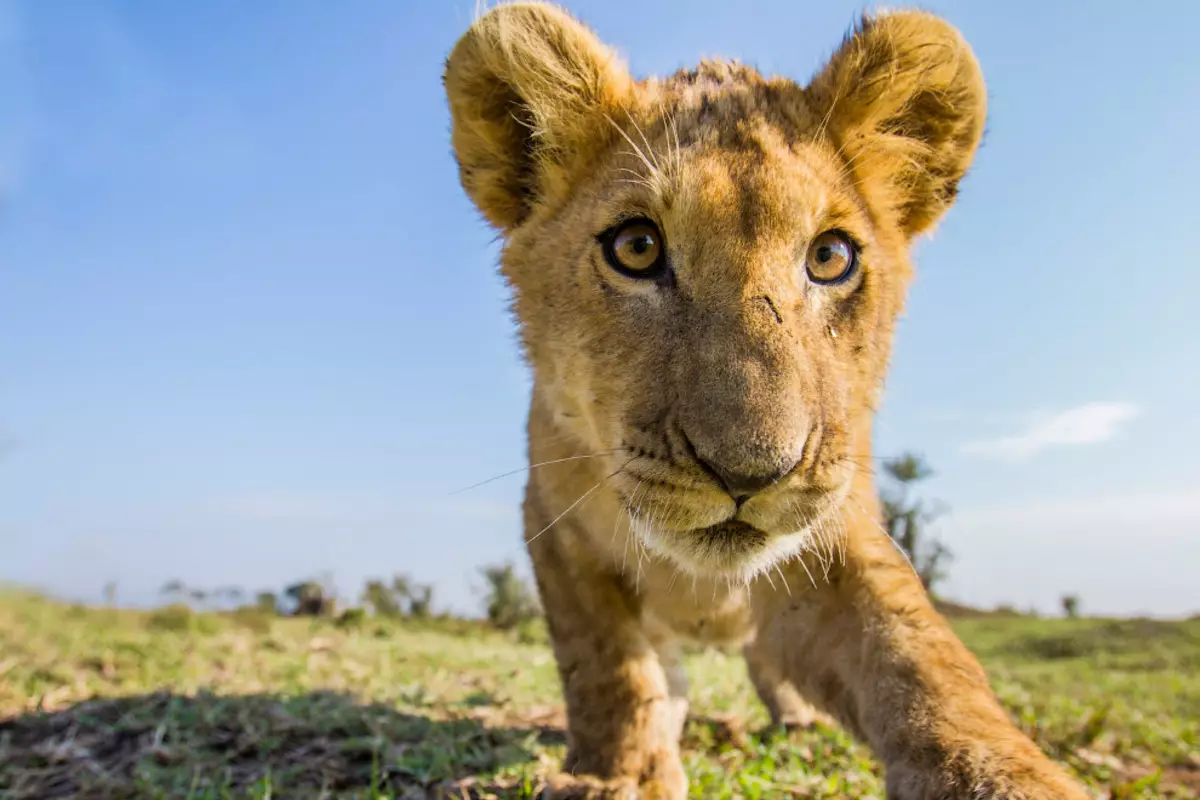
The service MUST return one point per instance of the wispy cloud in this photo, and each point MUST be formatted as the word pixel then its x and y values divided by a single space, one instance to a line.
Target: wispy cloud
pixel 1090 423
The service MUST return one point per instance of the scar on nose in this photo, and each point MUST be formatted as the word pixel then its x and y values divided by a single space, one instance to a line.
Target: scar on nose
pixel 771 305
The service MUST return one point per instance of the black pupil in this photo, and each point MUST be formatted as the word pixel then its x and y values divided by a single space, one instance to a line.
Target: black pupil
pixel 824 253
pixel 642 243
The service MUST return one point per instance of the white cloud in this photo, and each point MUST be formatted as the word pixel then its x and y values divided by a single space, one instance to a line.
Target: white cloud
pixel 1090 423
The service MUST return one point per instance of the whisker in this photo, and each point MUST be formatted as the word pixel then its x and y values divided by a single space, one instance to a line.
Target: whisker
pixel 621 512
pixel 535 466
pixel 783 578
pixel 641 133
pixel 637 150
pixel 895 545
pixel 631 534
pixel 806 571
pixel 579 500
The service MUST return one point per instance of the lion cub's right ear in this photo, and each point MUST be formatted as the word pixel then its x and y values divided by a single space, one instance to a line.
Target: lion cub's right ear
pixel 529 89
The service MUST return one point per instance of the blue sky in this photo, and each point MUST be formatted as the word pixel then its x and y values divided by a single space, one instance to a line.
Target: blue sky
pixel 251 328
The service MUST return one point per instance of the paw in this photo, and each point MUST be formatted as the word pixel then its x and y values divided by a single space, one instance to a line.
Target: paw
pixel 1009 779
pixel 666 781
pixel 572 787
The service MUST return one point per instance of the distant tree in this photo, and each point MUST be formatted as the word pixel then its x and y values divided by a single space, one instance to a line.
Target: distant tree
pixel 509 601
pixel 198 596
pixel 906 519
pixel 231 595
pixel 1070 605
pixel 420 601
pixel 110 593
pixel 310 599
pixel 401 597
pixel 381 599
pixel 267 602
pixel 174 589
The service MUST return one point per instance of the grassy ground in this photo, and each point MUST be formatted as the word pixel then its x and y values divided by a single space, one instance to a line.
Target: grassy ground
pixel 113 704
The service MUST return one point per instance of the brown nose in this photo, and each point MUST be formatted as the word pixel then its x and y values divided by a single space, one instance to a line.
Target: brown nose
pixel 742 485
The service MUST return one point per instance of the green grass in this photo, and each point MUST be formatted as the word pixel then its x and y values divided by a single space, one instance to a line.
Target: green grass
pixel 103 703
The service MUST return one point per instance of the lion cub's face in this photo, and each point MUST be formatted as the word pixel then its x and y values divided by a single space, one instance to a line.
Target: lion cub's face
pixel 707 269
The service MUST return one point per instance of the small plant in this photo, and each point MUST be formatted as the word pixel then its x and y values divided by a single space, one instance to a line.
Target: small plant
pixel 1070 606
pixel 508 600
pixel 906 520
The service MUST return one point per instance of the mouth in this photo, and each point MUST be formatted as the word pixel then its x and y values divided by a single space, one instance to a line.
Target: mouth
pixel 704 532
pixel 732 537
pixel 731 549
pixel 737 543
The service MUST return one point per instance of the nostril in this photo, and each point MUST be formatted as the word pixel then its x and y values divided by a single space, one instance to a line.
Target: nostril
pixel 743 485
pixel 740 485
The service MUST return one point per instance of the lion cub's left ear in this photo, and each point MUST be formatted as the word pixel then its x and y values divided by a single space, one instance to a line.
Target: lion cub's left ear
pixel 905 101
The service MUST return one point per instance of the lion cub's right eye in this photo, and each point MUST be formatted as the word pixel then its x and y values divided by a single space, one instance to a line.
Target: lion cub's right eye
pixel 635 248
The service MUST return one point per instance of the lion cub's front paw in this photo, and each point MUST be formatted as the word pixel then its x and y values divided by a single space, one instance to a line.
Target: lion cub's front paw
pixel 1003 779
pixel 666 781
pixel 571 787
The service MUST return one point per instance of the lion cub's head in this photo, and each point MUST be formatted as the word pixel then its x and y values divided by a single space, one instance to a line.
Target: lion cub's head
pixel 707 268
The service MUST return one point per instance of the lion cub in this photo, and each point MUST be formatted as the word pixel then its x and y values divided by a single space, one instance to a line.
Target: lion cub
pixel 707 269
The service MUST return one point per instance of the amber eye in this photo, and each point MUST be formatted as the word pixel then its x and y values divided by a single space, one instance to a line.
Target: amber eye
pixel 832 258
pixel 635 248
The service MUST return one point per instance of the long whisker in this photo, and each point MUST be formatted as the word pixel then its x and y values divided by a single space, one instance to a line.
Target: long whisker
pixel 579 500
pixel 637 150
pixel 641 133
pixel 621 512
pixel 783 578
pixel 894 543
pixel 811 579
pixel 535 466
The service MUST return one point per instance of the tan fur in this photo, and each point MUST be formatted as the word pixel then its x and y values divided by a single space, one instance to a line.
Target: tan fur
pixel 733 363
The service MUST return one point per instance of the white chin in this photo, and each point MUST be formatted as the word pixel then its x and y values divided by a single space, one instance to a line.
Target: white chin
pixel 731 550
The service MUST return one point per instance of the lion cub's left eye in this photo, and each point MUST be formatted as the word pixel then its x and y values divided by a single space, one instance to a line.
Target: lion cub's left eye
pixel 832 258
pixel 635 248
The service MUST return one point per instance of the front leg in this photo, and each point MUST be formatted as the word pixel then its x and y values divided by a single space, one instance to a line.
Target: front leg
pixel 622 724
pixel 783 703
pixel 867 645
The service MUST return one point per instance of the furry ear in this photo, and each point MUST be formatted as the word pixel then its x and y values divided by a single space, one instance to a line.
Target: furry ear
pixel 528 89
pixel 904 100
